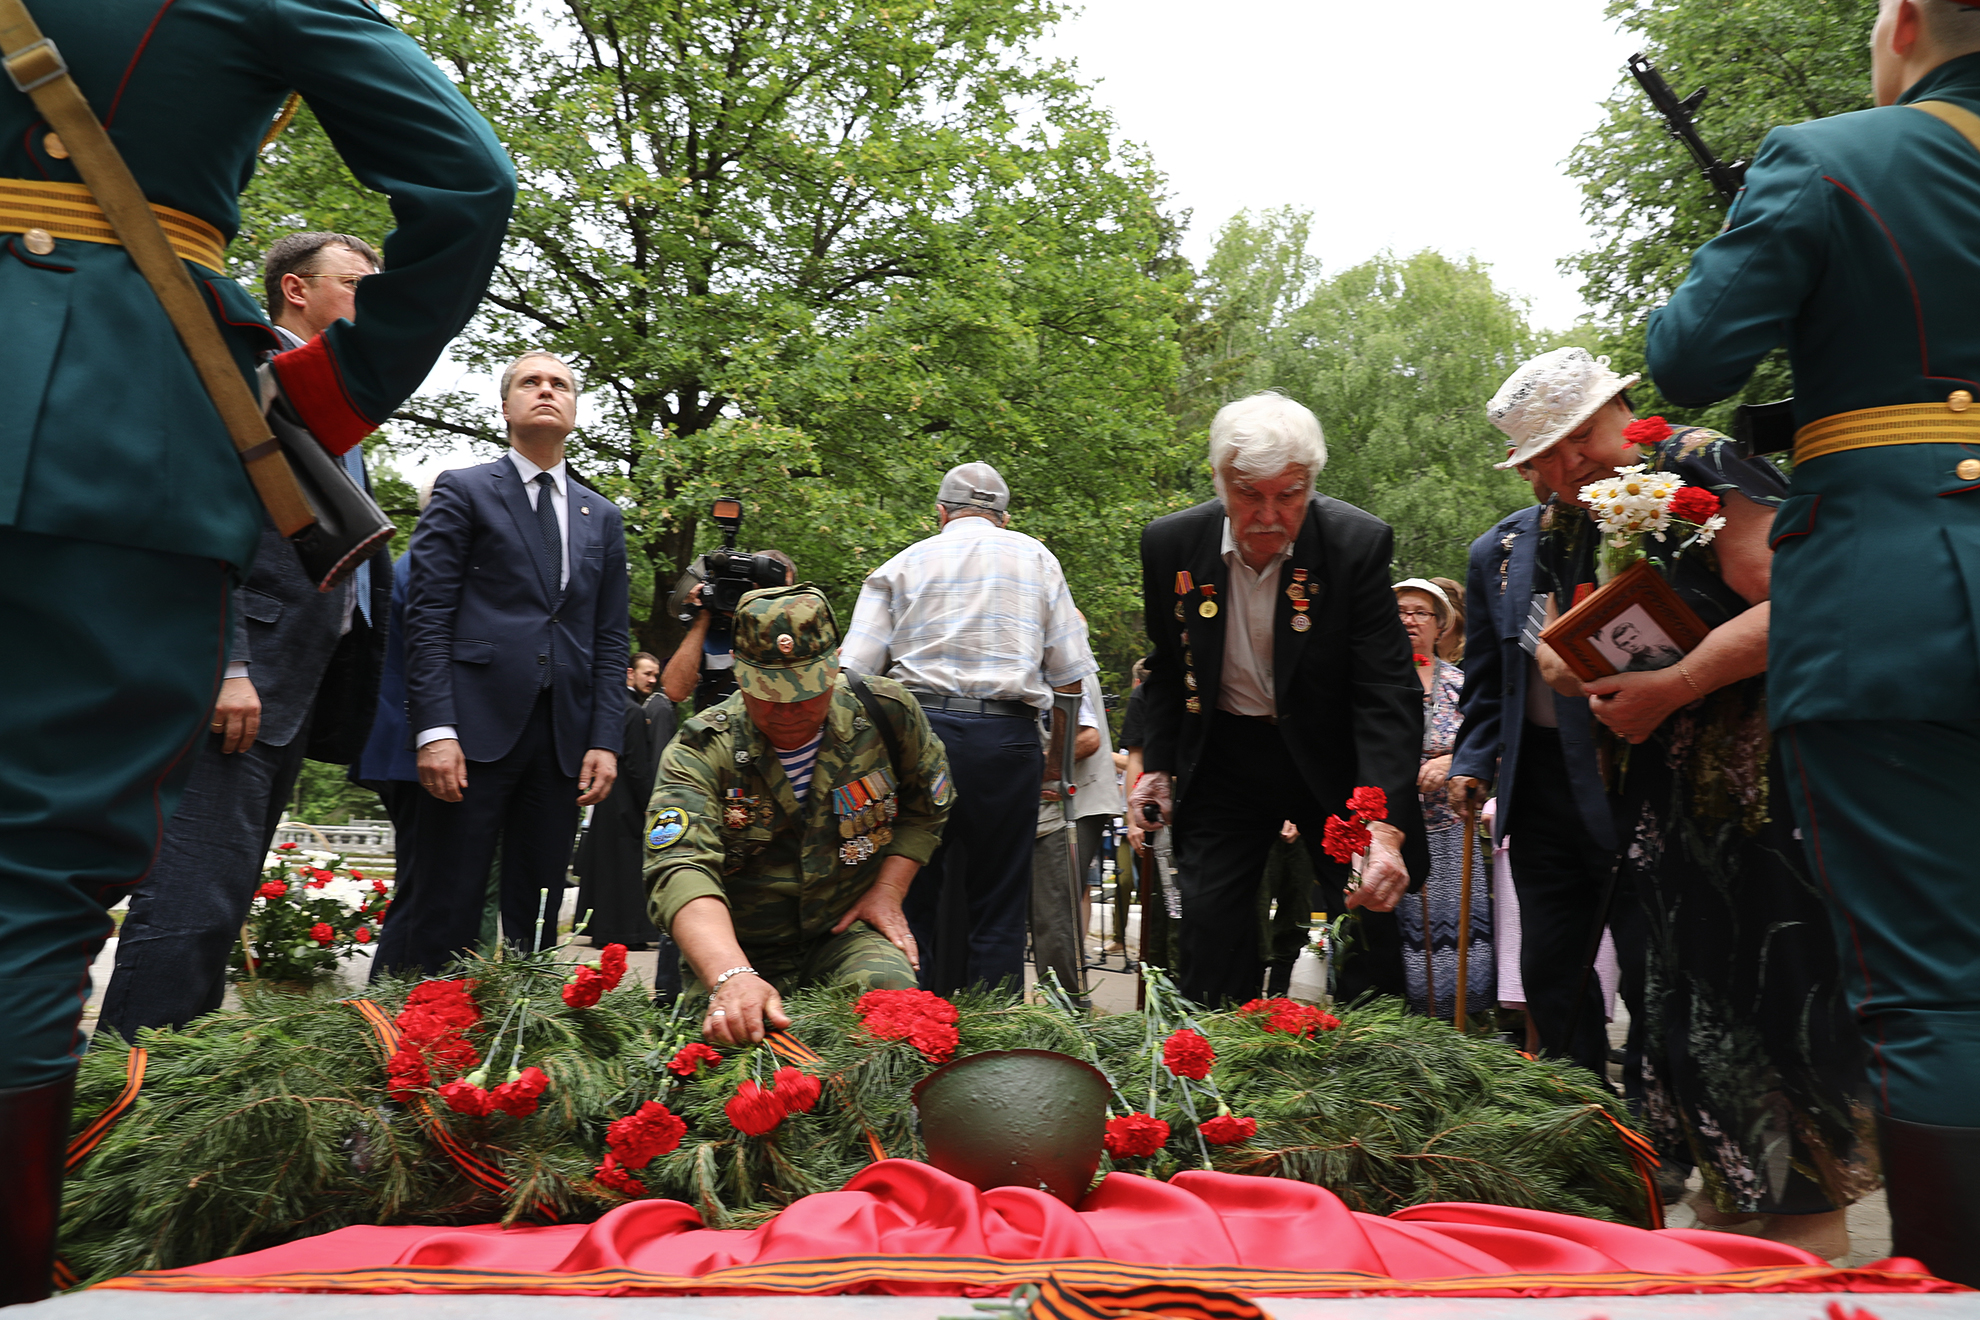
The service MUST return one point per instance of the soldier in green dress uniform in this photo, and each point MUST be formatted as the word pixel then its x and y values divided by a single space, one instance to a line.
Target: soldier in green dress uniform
pixel 125 515
pixel 1854 245
pixel 788 822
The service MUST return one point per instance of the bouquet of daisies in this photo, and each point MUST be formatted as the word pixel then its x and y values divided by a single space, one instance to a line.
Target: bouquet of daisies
pixel 1637 508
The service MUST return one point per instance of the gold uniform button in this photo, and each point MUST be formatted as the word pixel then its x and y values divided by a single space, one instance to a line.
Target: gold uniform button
pixel 1959 400
pixel 38 241
pixel 52 144
pixel 1968 469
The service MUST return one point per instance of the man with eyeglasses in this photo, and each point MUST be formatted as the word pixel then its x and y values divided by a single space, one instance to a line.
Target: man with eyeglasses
pixel 301 680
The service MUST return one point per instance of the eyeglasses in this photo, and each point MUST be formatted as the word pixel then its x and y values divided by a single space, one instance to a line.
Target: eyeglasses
pixel 1417 614
pixel 350 282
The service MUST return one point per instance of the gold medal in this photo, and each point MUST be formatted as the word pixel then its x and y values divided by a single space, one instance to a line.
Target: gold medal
pixel 1301 623
pixel 1179 613
pixel 1208 609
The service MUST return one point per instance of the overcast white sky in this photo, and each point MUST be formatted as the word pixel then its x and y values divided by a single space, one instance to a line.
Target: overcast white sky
pixel 1439 124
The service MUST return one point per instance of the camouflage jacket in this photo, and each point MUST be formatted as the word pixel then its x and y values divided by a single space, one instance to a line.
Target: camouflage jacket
pixel 724 823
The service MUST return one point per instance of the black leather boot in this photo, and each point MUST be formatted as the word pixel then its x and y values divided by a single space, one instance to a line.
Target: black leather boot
pixel 1932 1180
pixel 35 1121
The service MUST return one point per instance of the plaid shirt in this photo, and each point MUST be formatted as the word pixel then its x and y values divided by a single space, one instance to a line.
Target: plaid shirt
pixel 974 611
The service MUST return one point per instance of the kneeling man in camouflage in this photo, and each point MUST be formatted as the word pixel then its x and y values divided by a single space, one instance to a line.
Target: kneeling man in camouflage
pixel 787 823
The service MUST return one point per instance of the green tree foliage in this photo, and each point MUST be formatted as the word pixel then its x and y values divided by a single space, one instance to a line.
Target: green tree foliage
pixel 1396 356
pixel 811 253
pixel 1767 63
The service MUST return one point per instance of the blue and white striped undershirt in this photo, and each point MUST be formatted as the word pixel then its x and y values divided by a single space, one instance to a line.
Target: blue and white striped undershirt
pixel 798 762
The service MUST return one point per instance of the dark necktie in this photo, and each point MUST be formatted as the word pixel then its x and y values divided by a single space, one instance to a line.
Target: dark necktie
pixel 553 538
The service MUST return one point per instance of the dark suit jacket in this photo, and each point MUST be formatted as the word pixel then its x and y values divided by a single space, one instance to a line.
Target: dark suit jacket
pixel 388 749
pixel 1498 594
pixel 483 619
pixel 1350 706
pixel 289 633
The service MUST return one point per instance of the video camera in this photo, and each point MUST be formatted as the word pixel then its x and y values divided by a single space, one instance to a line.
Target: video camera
pixel 728 573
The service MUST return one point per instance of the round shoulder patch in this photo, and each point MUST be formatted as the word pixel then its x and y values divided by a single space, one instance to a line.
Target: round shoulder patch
pixel 668 827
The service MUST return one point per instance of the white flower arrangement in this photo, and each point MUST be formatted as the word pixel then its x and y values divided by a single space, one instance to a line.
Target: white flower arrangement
pixel 1638 503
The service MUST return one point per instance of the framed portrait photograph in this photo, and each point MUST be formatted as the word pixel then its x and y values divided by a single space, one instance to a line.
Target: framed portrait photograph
pixel 1635 622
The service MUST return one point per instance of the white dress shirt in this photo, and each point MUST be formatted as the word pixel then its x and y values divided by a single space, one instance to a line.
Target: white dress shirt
pixel 976 610
pixel 1254 598
pixel 560 501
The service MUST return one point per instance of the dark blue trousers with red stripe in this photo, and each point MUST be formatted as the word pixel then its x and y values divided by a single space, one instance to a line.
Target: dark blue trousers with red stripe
pixel 1887 810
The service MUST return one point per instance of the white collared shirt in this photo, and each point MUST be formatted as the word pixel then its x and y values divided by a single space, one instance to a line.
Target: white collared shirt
pixel 560 500
pixel 1247 681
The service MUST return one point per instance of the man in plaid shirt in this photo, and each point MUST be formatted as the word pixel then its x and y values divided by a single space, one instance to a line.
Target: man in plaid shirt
pixel 977 623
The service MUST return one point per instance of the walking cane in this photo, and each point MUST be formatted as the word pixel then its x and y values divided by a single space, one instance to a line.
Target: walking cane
pixel 1469 815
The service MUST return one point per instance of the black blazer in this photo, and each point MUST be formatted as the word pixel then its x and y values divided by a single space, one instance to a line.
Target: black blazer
pixel 298 656
pixel 1350 705
pixel 483 617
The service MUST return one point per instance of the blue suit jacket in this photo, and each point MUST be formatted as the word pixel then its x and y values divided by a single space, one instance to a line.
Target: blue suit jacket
pixel 1498 591
pixel 388 752
pixel 482 622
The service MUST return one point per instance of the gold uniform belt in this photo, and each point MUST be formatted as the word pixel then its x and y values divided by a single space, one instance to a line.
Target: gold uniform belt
pixel 1953 422
pixel 66 210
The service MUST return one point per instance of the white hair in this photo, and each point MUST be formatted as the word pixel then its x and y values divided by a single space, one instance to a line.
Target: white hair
pixel 1262 435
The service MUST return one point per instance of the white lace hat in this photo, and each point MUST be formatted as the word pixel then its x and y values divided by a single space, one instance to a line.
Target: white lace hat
pixel 1550 396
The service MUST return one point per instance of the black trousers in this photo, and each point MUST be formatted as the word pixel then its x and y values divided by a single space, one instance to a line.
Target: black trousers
pixel 186 913
pixel 1561 875
pixel 984 862
pixel 1243 789
pixel 525 802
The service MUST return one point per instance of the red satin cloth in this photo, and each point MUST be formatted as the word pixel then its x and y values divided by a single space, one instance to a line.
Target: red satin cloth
pixel 903 1209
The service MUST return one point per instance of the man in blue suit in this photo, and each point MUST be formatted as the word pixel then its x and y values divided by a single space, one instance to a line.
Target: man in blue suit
pixel 516 642
pixel 1538 749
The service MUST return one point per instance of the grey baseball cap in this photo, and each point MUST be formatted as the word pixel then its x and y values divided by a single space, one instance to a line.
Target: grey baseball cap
pixel 975 485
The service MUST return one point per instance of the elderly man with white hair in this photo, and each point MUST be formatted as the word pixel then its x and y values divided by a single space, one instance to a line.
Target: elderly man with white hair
pixel 1280 682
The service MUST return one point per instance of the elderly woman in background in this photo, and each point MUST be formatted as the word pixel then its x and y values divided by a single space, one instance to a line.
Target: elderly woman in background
pixel 1450 642
pixel 1430 917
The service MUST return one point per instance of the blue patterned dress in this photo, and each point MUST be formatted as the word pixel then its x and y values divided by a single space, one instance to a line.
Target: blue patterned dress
pixel 1440 898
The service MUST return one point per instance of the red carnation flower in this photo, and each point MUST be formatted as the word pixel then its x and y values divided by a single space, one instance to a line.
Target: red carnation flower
pixel 926 1021
pixel 449 1000
pixel 796 1090
pixel 272 889
pixel 1646 430
pixel 1369 803
pixel 1694 504
pixel 1418 659
pixel 649 1131
pixel 1135 1135
pixel 405 1073
pixel 362 935
pixel 612 963
pixel 322 933
pixel 585 988
pixel 380 887
pixel 1188 1054
pixel 754 1111
pixel 518 1099
pixel 611 1175
pixel 467 1098
pixel 1342 839
pixel 1228 1130
pixel 286 847
pixel 691 1057
pixel 1290 1017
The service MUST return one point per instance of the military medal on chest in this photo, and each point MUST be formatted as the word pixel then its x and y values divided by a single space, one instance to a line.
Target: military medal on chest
pixel 864 807
pixel 1297 593
pixel 1183 587
pixel 736 809
pixel 1208 609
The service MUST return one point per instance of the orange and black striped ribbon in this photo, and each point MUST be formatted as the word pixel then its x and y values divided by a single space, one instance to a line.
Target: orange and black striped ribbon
pixel 1059 1300
pixel 92 1136
pixel 1644 1156
pixel 792 1050
pixel 477 1170
pixel 858 1273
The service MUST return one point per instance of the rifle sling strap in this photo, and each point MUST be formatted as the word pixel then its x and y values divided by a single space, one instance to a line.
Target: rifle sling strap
pixel 866 699
pixel 38 70
pixel 1962 121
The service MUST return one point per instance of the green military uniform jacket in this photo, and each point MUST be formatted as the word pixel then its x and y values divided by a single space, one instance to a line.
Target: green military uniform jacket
pixel 108 435
pixel 725 824
pixel 1856 244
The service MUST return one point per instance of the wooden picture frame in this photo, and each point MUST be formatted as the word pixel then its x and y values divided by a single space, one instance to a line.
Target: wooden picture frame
pixel 1633 623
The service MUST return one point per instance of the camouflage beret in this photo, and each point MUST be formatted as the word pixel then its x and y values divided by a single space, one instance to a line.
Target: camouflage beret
pixel 786 644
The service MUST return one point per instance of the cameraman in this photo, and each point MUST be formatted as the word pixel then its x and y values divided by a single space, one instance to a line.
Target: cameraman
pixel 703 664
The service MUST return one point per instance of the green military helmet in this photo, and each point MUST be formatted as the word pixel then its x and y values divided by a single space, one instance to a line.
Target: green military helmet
pixel 786 644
